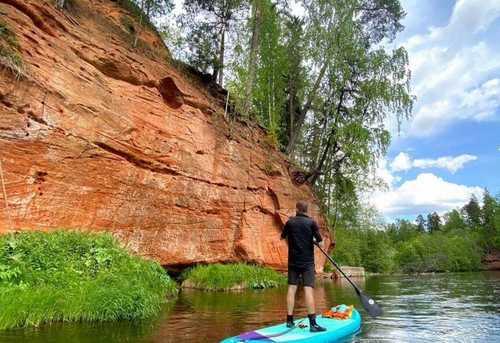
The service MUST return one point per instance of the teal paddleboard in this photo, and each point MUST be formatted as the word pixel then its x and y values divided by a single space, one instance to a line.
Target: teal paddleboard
pixel 337 329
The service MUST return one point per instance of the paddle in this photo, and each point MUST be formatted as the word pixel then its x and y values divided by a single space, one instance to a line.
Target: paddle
pixel 368 303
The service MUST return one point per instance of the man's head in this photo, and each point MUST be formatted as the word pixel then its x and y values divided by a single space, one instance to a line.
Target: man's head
pixel 301 207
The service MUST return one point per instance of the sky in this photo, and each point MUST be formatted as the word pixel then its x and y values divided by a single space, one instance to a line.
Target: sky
pixel 450 149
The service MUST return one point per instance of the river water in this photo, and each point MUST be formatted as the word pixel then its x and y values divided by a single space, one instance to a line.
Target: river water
pixel 462 307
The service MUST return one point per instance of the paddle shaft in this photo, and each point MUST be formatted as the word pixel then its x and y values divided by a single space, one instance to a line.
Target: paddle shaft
pixel 340 270
pixel 368 303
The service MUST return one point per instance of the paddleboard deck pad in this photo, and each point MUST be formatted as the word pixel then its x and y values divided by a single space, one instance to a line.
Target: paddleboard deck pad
pixel 336 329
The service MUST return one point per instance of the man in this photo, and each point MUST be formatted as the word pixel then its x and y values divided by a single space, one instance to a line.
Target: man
pixel 300 232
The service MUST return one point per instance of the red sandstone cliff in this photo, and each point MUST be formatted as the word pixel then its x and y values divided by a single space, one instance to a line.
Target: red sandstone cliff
pixel 103 136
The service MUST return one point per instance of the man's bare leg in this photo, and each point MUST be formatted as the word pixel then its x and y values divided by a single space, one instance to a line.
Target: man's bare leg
pixel 290 299
pixel 309 293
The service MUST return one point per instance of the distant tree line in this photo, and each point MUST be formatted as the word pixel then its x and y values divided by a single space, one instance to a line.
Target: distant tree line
pixel 457 241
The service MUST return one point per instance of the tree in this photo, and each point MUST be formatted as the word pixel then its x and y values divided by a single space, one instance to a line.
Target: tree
pixel 209 22
pixel 156 8
pixel 453 221
pixel 147 10
pixel 472 213
pixel 355 89
pixel 433 222
pixel 402 230
pixel 256 24
pixel 489 215
pixel 327 23
pixel 421 224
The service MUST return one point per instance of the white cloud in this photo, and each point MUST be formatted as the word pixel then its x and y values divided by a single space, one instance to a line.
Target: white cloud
pixel 426 193
pixel 456 69
pixel 403 162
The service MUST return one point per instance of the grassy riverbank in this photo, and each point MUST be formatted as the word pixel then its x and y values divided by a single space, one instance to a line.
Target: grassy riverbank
pixel 231 276
pixel 73 276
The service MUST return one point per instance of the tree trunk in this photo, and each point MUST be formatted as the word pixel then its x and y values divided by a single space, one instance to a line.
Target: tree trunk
pixel 317 170
pixel 301 115
pixel 252 59
pixel 221 54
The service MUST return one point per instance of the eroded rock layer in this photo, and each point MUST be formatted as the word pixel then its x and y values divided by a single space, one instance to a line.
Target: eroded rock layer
pixel 102 135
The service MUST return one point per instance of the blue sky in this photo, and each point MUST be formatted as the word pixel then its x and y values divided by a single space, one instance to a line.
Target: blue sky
pixel 450 149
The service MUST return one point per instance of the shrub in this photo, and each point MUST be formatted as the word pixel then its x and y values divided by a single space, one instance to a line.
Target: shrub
pixel 75 276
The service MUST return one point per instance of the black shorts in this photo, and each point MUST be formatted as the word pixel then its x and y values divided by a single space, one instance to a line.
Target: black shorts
pixel 301 276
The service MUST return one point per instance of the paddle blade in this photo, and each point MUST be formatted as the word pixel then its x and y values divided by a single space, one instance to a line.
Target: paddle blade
pixel 370 305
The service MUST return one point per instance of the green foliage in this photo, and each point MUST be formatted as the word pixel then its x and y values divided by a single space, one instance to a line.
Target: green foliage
pixel 369 248
pixel 472 212
pixel 348 247
pixel 269 92
pixel 433 222
pixel 228 276
pixel 207 24
pixel 376 251
pixel 145 11
pixel 440 252
pixel 10 57
pixel 74 276
pixel 453 221
pixel 459 244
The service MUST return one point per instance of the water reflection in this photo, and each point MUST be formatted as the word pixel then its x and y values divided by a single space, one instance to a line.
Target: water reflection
pixel 438 308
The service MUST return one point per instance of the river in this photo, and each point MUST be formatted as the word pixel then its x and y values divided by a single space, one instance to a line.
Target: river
pixel 461 307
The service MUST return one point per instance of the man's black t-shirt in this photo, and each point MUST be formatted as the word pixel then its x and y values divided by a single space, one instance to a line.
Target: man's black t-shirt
pixel 300 231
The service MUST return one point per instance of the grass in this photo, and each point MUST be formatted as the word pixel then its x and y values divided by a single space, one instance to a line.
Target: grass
pixel 10 57
pixel 75 276
pixel 220 277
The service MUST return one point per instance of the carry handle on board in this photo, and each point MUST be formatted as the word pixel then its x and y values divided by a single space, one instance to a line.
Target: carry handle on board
pixel 368 303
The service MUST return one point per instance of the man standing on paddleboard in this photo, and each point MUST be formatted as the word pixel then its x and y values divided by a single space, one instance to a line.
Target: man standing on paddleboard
pixel 301 231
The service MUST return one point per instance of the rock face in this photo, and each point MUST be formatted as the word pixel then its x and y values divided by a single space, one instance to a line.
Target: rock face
pixel 101 135
pixel 492 260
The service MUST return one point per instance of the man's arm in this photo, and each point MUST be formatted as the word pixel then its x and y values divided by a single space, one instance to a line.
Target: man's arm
pixel 315 232
pixel 284 233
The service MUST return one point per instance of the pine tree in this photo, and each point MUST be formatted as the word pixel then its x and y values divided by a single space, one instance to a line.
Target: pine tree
pixel 472 212
pixel 421 223
pixel 433 222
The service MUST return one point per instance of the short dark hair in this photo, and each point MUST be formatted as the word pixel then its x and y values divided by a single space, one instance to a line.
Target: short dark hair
pixel 301 206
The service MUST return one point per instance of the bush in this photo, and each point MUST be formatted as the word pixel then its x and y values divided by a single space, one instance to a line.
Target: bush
pixel 74 276
pixel 232 276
